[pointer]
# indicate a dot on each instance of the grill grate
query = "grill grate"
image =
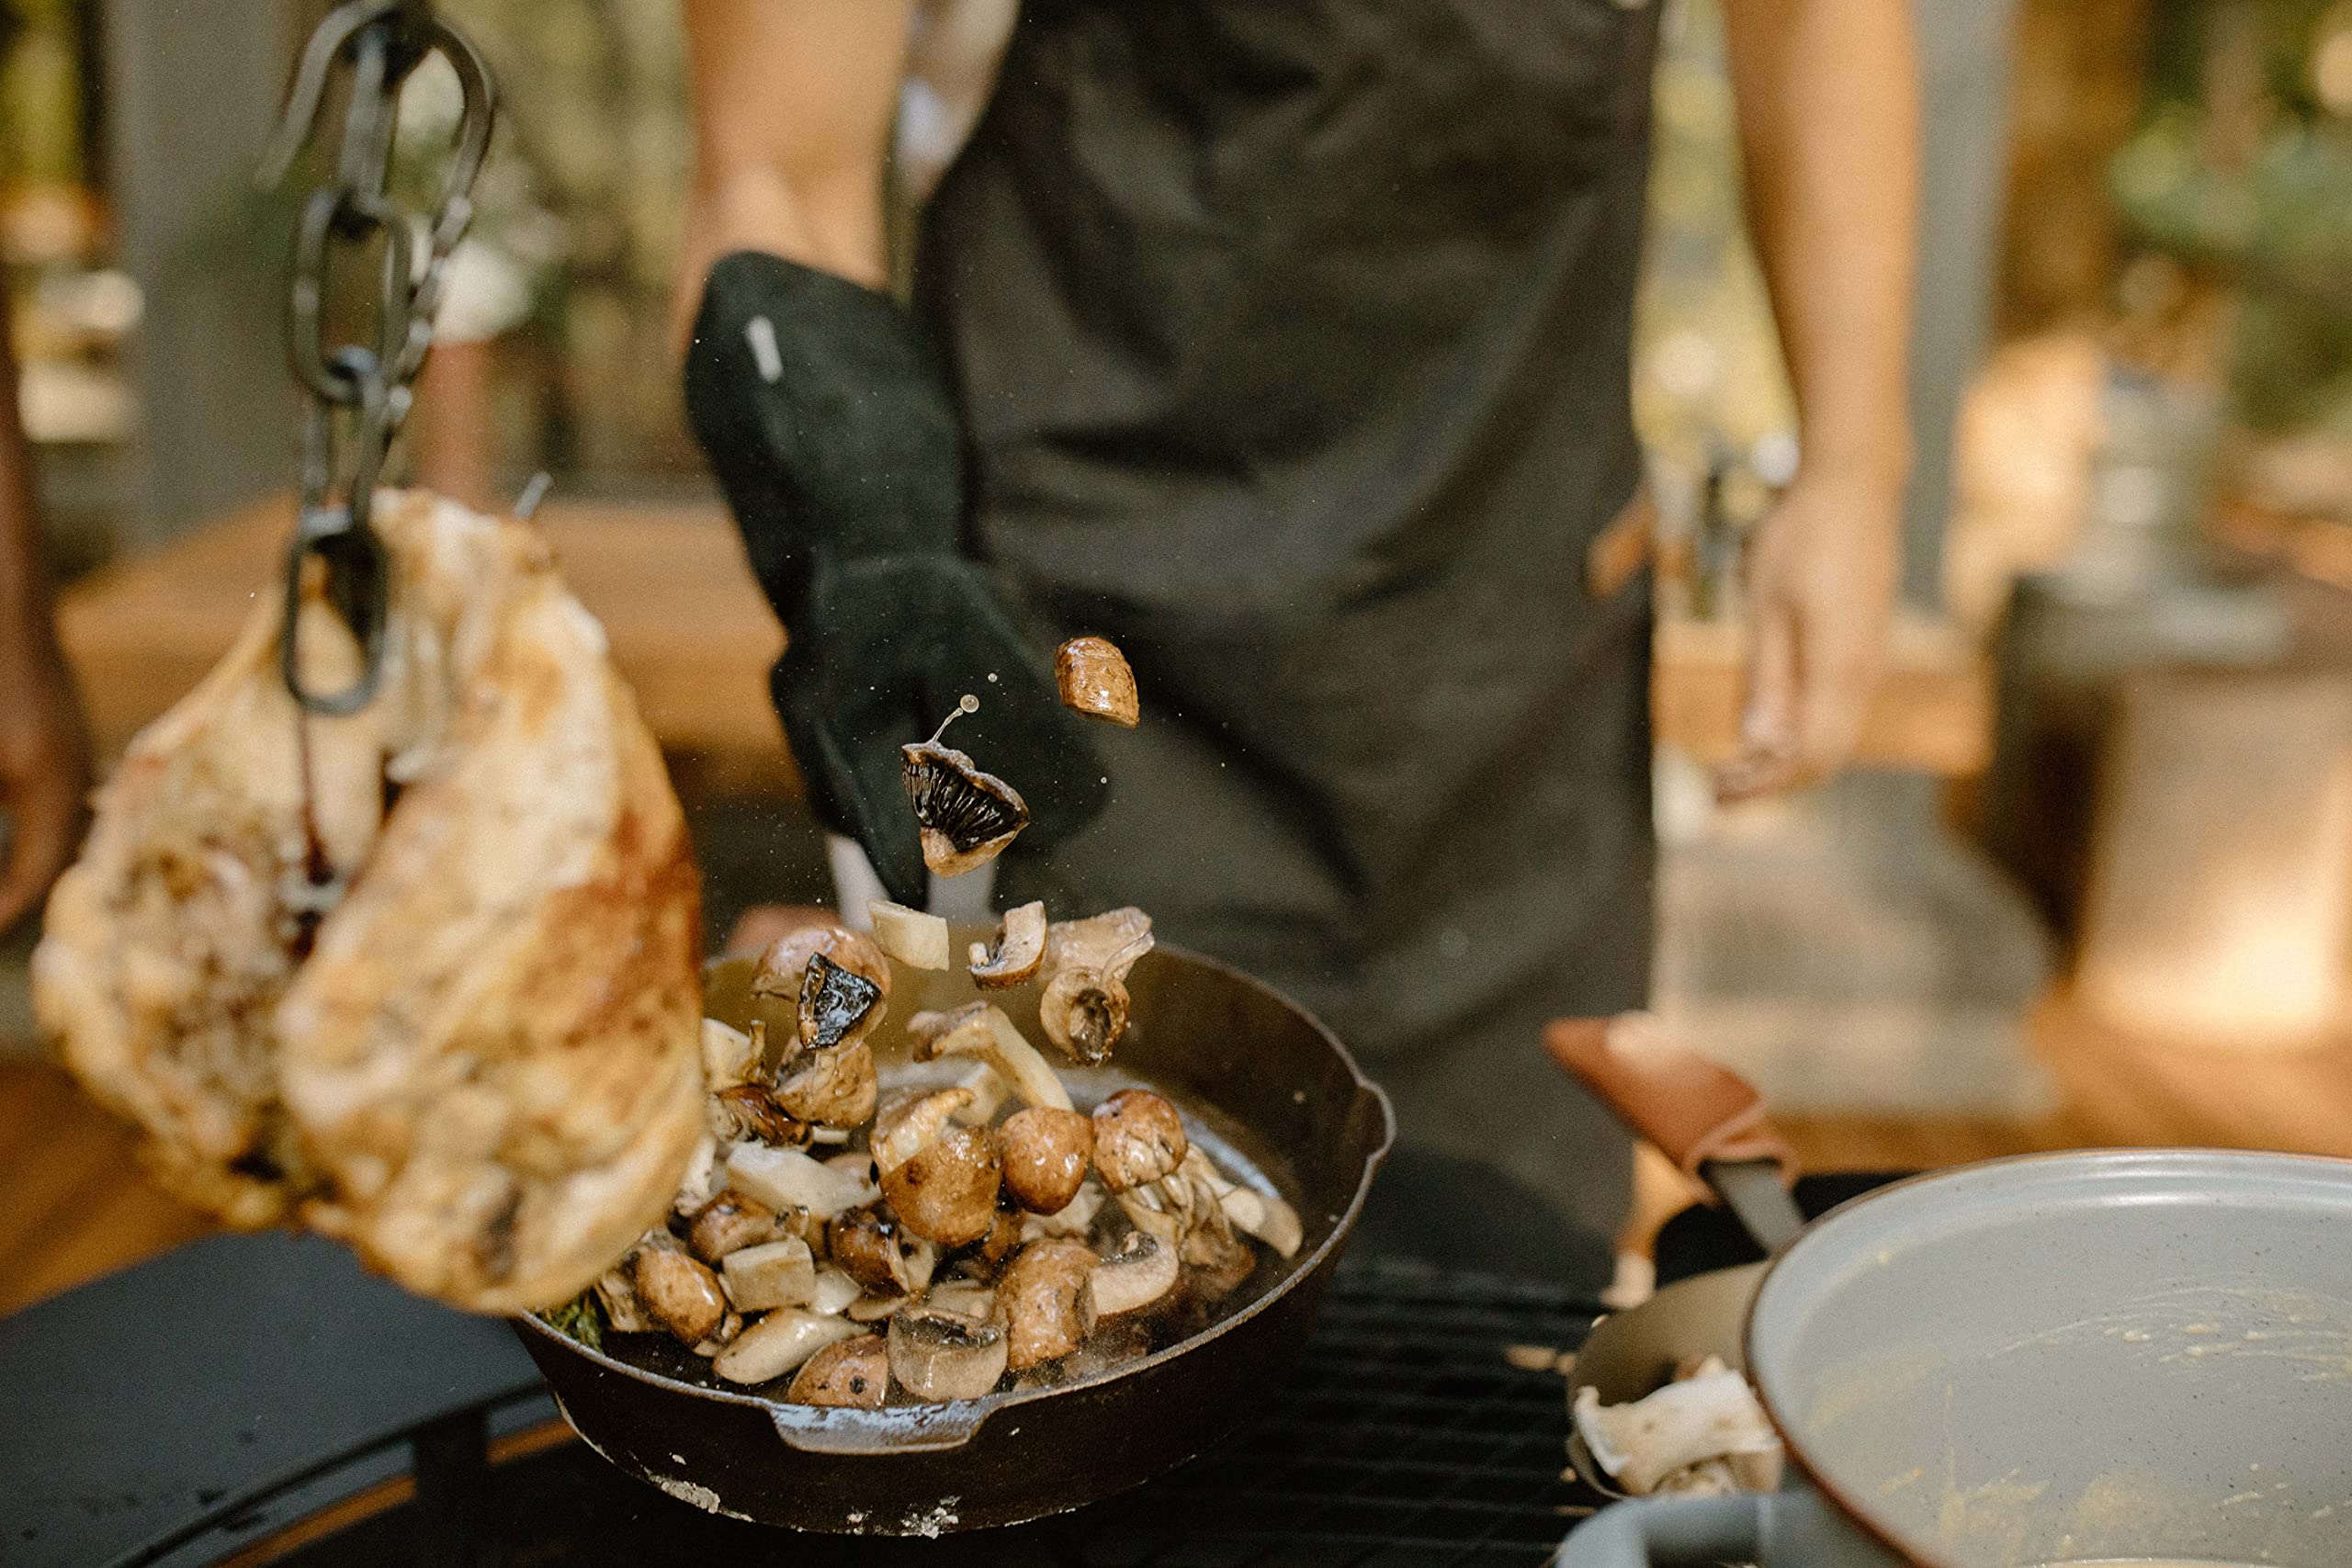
(1404, 1441)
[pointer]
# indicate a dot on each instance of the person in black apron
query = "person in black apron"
(1287, 345)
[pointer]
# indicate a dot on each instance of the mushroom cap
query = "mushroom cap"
(1096, 680)
(1004, 1235)
(1085, 1011)
(729, 1222)
(1047, 1298)
(832, 1089)
(1047, 1152)
(1138, 1137)
(939, 1356)
(910, 1122)
(1110, 942)
(875, 1250)
(783, 966)
(1018, 950)
(966, 815)
(947, 1190)
(848, 1373)
(679, 1294)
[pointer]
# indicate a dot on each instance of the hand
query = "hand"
(44, 772)
(1821, 579)
(838, 442)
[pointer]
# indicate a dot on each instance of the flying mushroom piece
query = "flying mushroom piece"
(966, 815)
(1110, 942)
(1084, 1012)
(852, 1372)
(1047, 1152)
(1138, 1138)
(1017, 952)
(783, 967)
(838, 1006)
(911, 936)
(986, 1032)
(1047, 1298)
(831, 1089)
(938, 1356)
(1096, 680)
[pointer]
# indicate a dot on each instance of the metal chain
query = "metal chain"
(360, 391)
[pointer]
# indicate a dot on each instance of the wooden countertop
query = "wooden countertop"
(691, 634)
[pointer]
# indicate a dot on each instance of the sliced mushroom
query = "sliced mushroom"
(939, 1356)
(833, 1291)
(750, 1111)
(969, 1299)
(1139, 1273)
(874, 1250)
(1048, 1299)
(617, 1293)
(786, 1178)
(1220, 1259)
(774, 1274)
(855, 1372)
(1047, 1152)
(1252, 1213)
(695, 1186)
(1085, 1011)
(915, 939)
(779, 1343)
(910, 1122)
(722, 1336)
(984, 1031)
(874, 1306)
(1138, 1137)
(783, 968)
(832, 1089)
(989, 1093)
(679, 1293)
(1074, 1219)
(838, 1006)
(1096, 680)
(1109, 943)
(729, 1223)
(966, 815)
(728, 1056)
(1018, 950)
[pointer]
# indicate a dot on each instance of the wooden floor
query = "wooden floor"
(74, 1204)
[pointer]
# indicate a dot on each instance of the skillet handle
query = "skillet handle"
(1778, 1530)
(902, 1429)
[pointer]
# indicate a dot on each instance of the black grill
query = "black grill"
(1405, 1438)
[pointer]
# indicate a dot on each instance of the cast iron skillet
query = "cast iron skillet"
(1256, 1076)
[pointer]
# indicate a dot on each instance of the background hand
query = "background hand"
(44, 773)
(1821, 580)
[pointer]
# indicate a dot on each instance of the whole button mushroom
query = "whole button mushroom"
(941, 1177)
(871, 1249)
(1138, 1137)
(1046, 1151)
(852, 1372)
(1048, 1299)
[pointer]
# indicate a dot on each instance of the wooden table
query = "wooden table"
(691, 634)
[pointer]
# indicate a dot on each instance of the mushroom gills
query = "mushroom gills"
(1016, 952)
(837, 1004)
(1084, 1012)
(966, 815)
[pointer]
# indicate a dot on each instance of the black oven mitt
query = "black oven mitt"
(833, 432)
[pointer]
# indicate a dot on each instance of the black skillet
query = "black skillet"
(1261, 1084)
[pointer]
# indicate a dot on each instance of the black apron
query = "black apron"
(1294, 340)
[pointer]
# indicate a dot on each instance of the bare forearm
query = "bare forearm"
(792, 104)
(24, 595)
(1828, 118)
